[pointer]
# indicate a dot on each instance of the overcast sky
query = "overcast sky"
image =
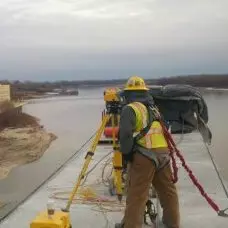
(94, 39)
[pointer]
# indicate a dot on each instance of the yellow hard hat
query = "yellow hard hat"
(135, 83)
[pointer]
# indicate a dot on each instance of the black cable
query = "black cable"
(217, 171)
(212, 160)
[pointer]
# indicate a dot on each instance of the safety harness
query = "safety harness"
(146, 129)
(159, 161)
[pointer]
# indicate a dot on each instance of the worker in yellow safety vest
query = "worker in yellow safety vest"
(144, 147)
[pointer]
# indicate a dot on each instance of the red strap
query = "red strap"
(173, 149)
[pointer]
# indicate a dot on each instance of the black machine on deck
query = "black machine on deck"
(183, 108)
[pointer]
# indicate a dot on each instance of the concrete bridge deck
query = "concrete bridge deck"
(195, 212)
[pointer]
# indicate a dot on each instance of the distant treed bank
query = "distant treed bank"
(31, 88)
(215, 81)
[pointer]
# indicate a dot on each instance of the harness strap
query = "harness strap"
(146, 129)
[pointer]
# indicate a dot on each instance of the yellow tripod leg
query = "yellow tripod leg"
(87, 160)
(117, 163)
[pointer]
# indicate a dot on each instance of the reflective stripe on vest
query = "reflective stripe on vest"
(154, 138)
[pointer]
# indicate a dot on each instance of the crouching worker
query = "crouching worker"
(148, 156)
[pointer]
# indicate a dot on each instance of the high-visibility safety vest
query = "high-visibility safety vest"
(155, 137)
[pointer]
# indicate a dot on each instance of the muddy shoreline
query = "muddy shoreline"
(20, 146)
(22, 138)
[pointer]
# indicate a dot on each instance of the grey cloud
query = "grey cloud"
(93, 38)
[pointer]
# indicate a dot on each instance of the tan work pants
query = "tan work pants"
(142, 173)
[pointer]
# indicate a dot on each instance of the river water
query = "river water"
(74, 120)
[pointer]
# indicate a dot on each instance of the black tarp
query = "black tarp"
(183, 108)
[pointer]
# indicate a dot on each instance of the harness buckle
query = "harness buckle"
(223, 213)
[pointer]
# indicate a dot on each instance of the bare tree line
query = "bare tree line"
(216, 81)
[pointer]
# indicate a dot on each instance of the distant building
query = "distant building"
(5, 93)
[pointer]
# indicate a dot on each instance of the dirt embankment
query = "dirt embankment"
(22, 140)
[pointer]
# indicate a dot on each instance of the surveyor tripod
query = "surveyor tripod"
(112, 113)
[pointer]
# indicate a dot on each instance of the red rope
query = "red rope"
(174, 164)
(173, 148)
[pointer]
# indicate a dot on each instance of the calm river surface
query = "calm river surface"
(74, 120)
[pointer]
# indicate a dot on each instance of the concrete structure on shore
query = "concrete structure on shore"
(8, 107)
(195, 211)
(5, 94)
